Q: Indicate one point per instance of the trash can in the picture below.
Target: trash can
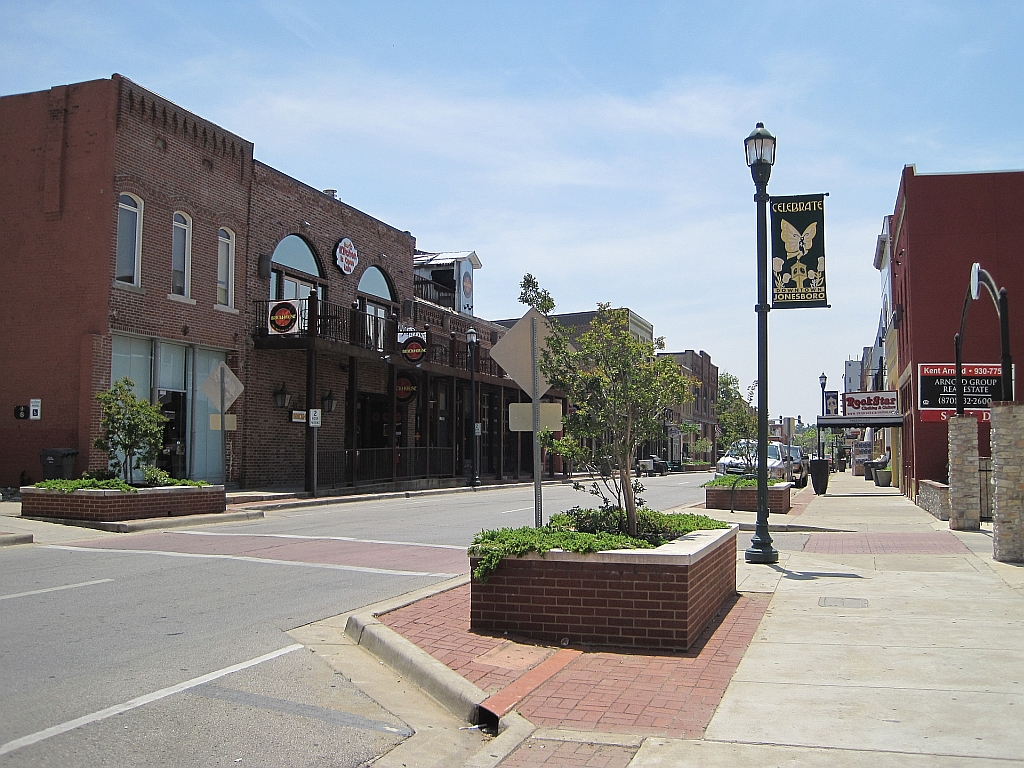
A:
(819, 475)
(58, 463)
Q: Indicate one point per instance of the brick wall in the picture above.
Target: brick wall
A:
(934, 497)
(746, 498)
(608, 599)
(113, 506)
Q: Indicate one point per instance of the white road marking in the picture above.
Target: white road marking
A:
(118, 709)
(322, 538)
(55, 589)
(262, 560)
(521, 509)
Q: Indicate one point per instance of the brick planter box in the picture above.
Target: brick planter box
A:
(746, 498)
(115, 506)
(639, 598)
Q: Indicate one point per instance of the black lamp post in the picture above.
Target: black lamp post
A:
(760, 151)
(823, 380)
(471, 338)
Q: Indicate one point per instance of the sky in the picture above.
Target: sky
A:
(597, 145)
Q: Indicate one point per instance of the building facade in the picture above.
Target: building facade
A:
(161, 248)
(701, 411)
(940, 226)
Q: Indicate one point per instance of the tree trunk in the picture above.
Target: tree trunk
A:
(626, 484)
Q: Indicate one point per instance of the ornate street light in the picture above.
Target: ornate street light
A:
(471, 338)
(760, 151)
(282, 397)
(330, 402)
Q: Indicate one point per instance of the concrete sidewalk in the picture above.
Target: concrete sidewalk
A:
(892, 642)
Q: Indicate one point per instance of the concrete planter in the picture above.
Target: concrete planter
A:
(639, 598)
(883, 477)
(745, 500)
(113, 506)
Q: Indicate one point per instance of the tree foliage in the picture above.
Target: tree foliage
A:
(737, 414)
(532, 295)
(618, 389)
(132, 428)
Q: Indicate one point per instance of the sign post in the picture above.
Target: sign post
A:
(222, 388)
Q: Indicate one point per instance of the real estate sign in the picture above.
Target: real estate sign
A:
(936, 389)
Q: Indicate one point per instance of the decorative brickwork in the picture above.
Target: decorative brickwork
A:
(660, 598)
(746, 498)
(1008, 481)
(964, 484)
(114, 506)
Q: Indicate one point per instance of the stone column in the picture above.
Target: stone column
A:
(1008, 482)
(964, 484)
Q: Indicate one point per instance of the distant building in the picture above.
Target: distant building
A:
(702, 410)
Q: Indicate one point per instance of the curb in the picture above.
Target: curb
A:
(787, 528)
(155, 523)
(12, 539)
(453, 691)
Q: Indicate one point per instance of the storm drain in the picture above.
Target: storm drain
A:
(842, 602)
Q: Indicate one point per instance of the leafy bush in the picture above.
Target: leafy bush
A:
(656, 528)
(584, 530)
(727, 481)
(491, 546)
(99, 474)
(67, 486)
(156, 476)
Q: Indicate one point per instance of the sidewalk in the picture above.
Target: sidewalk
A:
(894, 642)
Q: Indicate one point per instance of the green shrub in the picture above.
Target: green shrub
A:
(728, 480)
(68, 486)
(653, 527)
(491, 546)
(156, 476)
(99, 474)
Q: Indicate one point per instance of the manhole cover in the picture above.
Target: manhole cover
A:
(842, 602)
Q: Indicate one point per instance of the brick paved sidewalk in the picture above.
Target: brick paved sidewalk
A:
(593, 690)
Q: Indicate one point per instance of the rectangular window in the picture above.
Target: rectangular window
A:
(181, 248)
(132, 357)
(225, 268)
(129, 239)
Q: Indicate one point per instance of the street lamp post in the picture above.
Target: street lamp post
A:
(471, 338)
(823, 380)
(760, 151)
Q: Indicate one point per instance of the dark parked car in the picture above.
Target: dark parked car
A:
(801, 466)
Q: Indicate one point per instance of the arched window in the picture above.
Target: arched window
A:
(129, 239)
(181, 254)
(294, 270)
(375, 282)
(225, 268)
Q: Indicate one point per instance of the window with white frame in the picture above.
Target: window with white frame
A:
(129, 239)
(225, 267)
(181, 254)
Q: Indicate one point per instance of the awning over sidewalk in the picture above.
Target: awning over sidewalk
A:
(878, 422)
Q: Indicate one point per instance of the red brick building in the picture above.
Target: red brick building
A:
(941, 225)
(148, 242)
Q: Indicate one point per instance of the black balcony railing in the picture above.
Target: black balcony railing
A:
(364, 466)
(433, 292)
(335, 322)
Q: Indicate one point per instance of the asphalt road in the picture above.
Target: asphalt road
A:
(169, 648)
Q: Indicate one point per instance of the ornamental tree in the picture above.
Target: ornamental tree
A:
(132, 428)
(618, 390)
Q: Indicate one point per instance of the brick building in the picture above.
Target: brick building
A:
(151, 244)
(940, 226)
(702, 410)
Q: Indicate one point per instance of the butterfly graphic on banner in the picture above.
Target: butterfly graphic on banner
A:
(793, 268)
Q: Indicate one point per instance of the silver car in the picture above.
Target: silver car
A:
(741, 459)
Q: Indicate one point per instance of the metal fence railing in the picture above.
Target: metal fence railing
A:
(361, 466)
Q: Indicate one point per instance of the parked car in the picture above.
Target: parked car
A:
(652, 465)
(801, 470)
(741, 459)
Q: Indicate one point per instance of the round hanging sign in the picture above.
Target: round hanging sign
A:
(414, 349)
(405, 388)
(283, 316)
(346, 256)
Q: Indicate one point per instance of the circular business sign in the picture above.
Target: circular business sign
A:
(405, 388)
(283, 316)
(467, 284)
(346, 256)
(414, 349)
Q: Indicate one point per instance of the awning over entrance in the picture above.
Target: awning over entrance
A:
(878, 422)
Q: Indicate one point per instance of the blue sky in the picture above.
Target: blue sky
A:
(597, 145)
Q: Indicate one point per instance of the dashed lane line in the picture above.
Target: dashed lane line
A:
(322, 538)
(55, 589)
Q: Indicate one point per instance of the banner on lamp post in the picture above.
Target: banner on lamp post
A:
(798, 252)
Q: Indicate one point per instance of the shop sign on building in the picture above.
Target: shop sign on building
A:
(798, 252)
(283, 317)
(936, 389)
(869, 404)
(346, 256)
(414, 347)
(405, 388)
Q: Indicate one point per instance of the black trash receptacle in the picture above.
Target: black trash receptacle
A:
(58, 463)
(819, 475)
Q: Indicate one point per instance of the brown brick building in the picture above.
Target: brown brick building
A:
(702, 410)
(148, 242)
